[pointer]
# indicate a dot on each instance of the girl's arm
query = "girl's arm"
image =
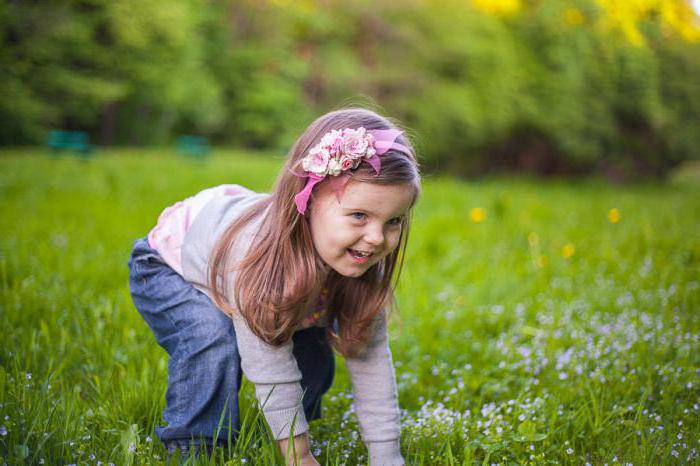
(277, 379)
(376, 400)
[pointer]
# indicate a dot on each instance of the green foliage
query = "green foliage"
(544, 328)
(548, 88)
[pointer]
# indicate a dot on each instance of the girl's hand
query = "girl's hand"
(300, 453)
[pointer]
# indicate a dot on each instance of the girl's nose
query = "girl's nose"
(374, 236)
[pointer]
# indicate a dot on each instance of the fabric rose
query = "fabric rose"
(317, 161)
(333, 142)
(355, 143)
(346, 163)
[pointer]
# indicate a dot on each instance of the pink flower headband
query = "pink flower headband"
(343, 150)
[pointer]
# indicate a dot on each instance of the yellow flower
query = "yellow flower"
(573, 16)
(568, 250)
(499, 7)
(533, 238)
(614, 215)
(477, 215)
(542, 261)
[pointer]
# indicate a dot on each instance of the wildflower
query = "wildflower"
(614, 215)
(92, 457)
(569, 451)
(28, 376)
(132, 448)
(568, 250)
(573, 16)
(149, 439)
(477, 215)
(533, 238)
(3, 431)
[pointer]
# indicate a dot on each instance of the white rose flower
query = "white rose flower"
(317, 161)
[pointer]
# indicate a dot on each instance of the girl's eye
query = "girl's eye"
(395, 221)
(358, 215)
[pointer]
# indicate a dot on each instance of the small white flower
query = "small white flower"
(334, 167)
(28, 375)
(569, 451)
(317, 161)
(3, 431)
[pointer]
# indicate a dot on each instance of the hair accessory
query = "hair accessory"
(340, 151)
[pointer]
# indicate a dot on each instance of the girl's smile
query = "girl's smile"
(355, 233)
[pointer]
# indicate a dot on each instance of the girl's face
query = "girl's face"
(355, 233)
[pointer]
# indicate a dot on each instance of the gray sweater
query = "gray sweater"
(274, 370)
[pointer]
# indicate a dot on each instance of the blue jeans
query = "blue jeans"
(204, 368)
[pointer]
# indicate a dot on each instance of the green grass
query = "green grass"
(506, 351)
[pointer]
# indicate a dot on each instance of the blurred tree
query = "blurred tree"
(550, 86)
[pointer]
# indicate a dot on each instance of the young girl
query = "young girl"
(268, 285)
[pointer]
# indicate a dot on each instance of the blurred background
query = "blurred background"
(550, 87)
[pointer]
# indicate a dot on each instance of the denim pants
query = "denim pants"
(204, 367)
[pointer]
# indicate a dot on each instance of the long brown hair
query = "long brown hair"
(282, 274)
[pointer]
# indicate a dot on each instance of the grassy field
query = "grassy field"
(541, 322)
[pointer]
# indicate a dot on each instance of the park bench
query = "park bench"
(195, 146)
(69, 140)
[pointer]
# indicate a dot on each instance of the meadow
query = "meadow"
(540, 321)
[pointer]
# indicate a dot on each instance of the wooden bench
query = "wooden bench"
(195, 146)
(69, 140)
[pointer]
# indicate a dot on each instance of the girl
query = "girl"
(232, 281)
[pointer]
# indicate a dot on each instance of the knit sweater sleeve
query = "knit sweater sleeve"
(376, 399)
(277, 379)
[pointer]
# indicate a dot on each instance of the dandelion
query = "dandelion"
(573, 16)
(568, 250)
(614, 215)
(533, 238)
(477, 215)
